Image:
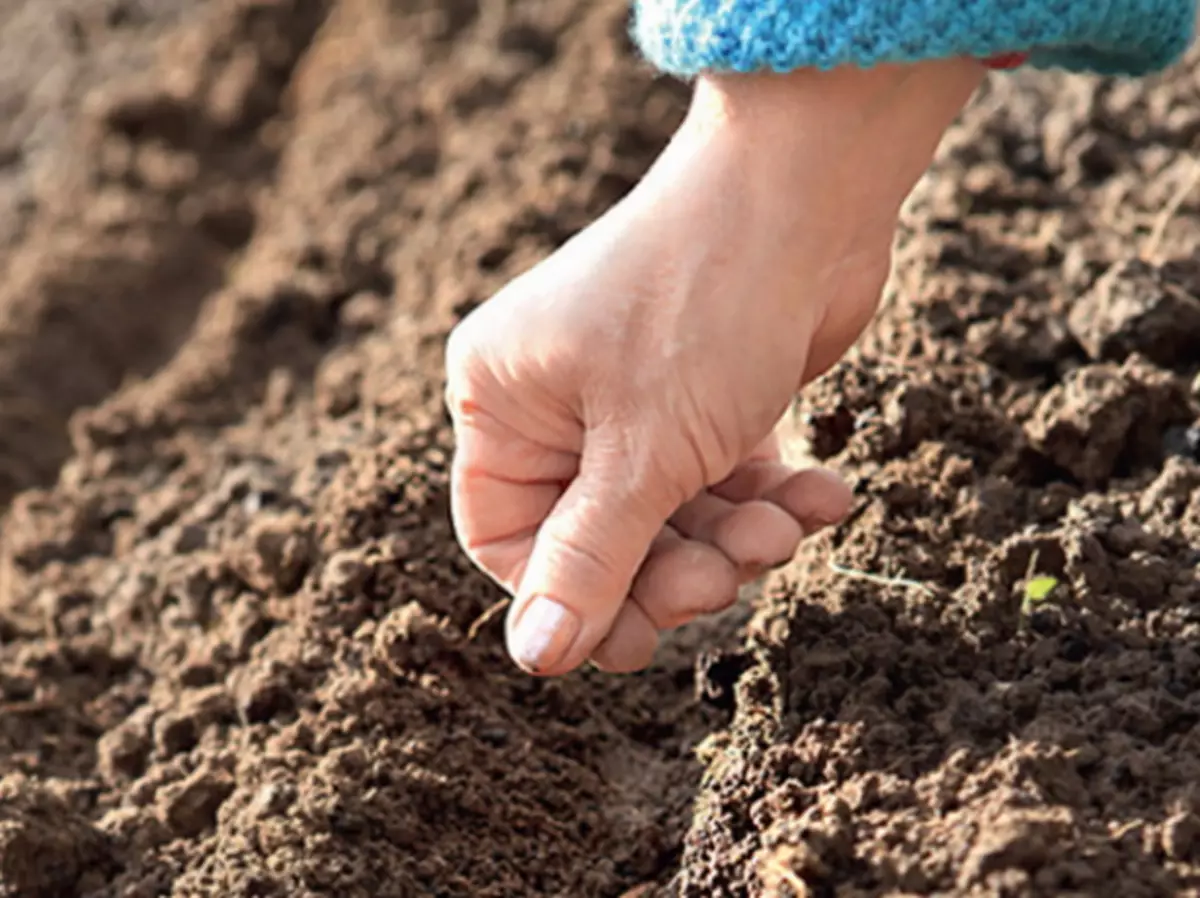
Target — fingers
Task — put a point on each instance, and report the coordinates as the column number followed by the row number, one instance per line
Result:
column 760, row 513
column 752, row 480
column 579, row 557
column 816, row 497
column 682, row 579
column 502, row 487
column 630, row 644
column 583, row 562
column 813, row 495
column 756, row 534
column 577, row 545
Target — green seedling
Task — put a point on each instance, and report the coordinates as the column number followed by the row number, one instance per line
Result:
column 1037, row 591
column 1039, row 588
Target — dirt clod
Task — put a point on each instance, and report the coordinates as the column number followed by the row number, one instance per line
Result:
column 47, row 847
column 1103, row 416
column 190, row 806
column 1133, row 308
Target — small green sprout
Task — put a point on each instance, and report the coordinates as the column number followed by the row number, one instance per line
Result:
column 1039, row 589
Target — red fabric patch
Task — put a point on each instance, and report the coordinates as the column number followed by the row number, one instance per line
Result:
column 1006, row 61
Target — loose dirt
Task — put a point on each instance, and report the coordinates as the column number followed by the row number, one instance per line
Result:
column 239, row 651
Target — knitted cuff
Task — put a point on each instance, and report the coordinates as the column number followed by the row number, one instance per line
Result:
column 1111, row 37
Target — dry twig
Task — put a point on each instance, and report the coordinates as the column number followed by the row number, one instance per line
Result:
column 880, row 580
column 486, row 618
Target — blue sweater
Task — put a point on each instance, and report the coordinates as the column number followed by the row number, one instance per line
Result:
column 1112, row 37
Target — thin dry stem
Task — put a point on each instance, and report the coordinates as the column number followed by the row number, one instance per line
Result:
column 1031, row 568
column 486, row 618
column 880, row 580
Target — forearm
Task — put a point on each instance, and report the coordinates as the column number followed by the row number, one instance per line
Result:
column 1125, row 37
column 788, row 136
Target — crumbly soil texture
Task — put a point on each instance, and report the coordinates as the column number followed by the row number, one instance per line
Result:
column 240, row 652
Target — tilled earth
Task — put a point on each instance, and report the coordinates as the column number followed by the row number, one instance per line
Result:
column 240, row 653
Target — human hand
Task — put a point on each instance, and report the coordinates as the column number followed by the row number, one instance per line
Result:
column 614, row 407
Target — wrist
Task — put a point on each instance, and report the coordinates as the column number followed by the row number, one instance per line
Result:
column 882, row 124
column 801, row 177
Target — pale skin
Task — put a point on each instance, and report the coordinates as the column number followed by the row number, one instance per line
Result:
column 614, row 407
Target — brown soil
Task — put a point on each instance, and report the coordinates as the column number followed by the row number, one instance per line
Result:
column 238, row 646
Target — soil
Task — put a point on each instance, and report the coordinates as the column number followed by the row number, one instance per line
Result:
column 240, row 653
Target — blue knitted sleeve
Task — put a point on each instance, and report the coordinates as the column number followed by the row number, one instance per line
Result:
column 1112, row 37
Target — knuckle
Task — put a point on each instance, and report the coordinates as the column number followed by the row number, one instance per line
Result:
column 460, row 349
column 495, row 562
column 659, row 470
column 466, row 368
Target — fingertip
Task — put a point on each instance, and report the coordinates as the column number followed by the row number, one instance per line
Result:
column 758, row 534
column 583, row 561
column 817, row 497
column 540, row 633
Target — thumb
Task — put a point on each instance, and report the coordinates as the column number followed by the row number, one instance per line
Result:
column 583, row 563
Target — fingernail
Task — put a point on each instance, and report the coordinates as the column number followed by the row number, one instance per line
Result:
column 543, row 634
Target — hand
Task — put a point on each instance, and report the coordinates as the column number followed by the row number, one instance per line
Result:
column 614, row 407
